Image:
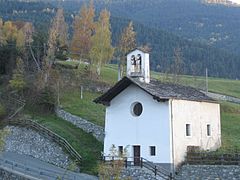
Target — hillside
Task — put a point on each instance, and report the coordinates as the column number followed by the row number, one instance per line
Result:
column 230, row 114
column 216, row 25
column 195, row 56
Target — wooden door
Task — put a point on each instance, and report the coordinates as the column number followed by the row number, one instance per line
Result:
column 136, row 155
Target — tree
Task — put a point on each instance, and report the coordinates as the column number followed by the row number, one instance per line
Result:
column 20, row 40
column 177, row 66
column 127, row 43
column 102, row 50
column 1, row 33
column 18, row 82
column 9, row 32
column 114, row 169
column 58, row 35
column 56, row 40
column 83, row 31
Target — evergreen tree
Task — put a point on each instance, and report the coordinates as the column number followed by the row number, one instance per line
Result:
column 102, row 50
column 83, row 31
column 127, row 43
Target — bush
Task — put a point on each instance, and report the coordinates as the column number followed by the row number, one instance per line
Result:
column 46, row 100
column 2, row 111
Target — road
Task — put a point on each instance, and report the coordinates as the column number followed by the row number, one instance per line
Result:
column 33, row 168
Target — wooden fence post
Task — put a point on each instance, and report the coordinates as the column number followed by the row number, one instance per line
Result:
column 141, row 162
column 126, row 162
column 155, row 170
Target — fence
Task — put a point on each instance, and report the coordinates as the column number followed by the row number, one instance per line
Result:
column 141, row 162
column 47, row 133
column 213, row 158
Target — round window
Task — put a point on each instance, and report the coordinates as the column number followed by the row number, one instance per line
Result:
column 137, row 109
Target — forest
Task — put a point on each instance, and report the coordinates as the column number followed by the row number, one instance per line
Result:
column 196, row 56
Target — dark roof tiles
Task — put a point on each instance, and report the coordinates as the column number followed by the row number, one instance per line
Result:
column 159, row 90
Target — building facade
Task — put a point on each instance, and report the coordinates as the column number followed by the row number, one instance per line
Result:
column 158, row 121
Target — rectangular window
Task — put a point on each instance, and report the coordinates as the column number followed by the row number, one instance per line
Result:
column 188, row 130
column 120, row 150
column 208, row 130
column 153, row 150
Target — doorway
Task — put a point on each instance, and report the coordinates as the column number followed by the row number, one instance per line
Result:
column 136, row 155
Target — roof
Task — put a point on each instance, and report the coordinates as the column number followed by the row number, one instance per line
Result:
column 144, row 50
column 158, row 90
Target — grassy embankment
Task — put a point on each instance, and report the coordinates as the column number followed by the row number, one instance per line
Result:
column 85, row 144
column 89, row 148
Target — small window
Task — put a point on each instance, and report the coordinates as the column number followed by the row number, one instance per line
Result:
column 153, row 150
column 208, row 130
column 120, row 150
column 137, row 109
column 188, row 130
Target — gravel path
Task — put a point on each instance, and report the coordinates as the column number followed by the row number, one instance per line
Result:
column 26, row 141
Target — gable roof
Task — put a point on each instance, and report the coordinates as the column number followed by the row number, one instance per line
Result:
column 140, row 49
column 158, row 90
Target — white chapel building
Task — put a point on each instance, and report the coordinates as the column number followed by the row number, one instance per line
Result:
column 156, row 120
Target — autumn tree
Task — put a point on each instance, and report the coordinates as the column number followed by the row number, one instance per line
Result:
column 127, row 42
column 57, row 39
column 102, row 50
column 58, row 35
column 1, row 34
column 9, row 32
column 83, row 27
column 18, row 82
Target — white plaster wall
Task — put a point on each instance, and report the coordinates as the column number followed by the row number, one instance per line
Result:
column 198, row 114
column 145, row 65
column 152, row 128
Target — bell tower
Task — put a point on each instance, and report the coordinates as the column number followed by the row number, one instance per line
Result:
column 138, row 65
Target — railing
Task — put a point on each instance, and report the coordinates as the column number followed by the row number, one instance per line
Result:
column 141, row 162
column 213, row 158
column 47, row 133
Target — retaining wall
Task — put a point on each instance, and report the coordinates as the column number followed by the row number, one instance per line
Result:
column 95, row 130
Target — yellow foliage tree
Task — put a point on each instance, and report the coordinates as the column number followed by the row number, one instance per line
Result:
column 9, row 32
column 18, row 82
column 127, row 42
column 102, row 50
column 1, row 33
column 83, row 30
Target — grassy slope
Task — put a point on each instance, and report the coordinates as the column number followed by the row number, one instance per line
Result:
column 86, row 145
column 85, row 107
column 230, row 123
column 94, row 112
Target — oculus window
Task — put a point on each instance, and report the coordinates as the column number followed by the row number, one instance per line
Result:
column 136, row 109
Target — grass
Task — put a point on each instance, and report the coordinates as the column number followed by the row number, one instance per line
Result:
column 219, row 85
column 230, row 124
column 85, row 108
column 85, row 144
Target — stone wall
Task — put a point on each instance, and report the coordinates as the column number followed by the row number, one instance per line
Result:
column 97, row 131
column 25, row 141
column 209, row 172
column 137, row 173
column 4, row 174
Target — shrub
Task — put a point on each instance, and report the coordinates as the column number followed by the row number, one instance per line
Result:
column 2, row 111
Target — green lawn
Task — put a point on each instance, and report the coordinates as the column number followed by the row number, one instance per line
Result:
column 230, row 123
column 85, row 144
column 85, row 108
column 230, row 113
column 222, row 86
column 219, row 85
